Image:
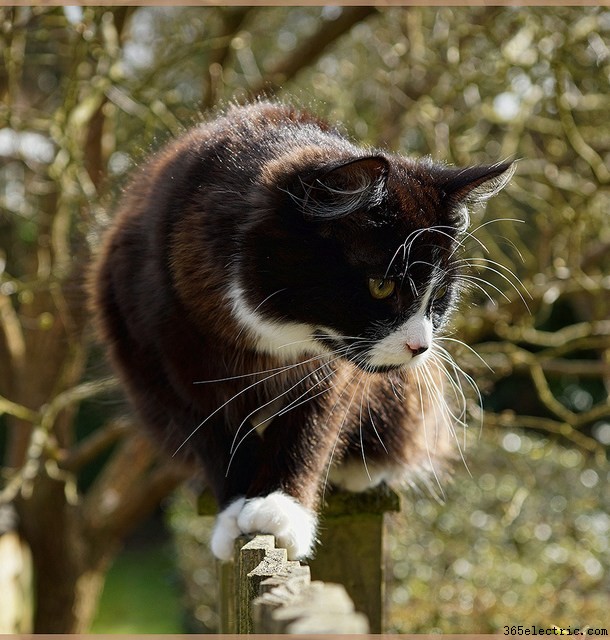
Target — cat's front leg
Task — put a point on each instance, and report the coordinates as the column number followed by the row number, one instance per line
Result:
column 283, row 495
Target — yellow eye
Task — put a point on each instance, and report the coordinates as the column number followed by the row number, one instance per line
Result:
column 381, row 288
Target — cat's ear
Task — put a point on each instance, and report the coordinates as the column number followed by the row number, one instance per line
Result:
column 478, row 183
column 342, row 189
column 473, row 185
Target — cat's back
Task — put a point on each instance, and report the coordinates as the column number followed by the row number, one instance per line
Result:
column 191, row 197
column 246, row 138
column 226, row 154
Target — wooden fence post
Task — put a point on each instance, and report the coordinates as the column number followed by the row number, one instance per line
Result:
column 351, row 552
column 262, row 592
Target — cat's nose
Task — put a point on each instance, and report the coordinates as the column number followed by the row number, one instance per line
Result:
column 417, row 349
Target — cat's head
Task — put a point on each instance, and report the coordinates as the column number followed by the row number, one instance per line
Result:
column 358, row 257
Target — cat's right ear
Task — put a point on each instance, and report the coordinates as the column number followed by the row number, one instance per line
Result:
column 339, row 190
column 472, row 185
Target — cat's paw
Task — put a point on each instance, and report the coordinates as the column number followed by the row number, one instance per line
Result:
column 226, row 530
column 293, row 526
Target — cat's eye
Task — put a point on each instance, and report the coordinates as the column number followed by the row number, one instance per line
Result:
column 381, row 288
column 441, row 292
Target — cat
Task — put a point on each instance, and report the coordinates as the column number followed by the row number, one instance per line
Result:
column 272, row 296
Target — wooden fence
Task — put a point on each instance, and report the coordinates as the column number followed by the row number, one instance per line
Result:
column 340, row 591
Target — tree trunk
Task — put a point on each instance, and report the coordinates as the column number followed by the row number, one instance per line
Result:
column 69, row 570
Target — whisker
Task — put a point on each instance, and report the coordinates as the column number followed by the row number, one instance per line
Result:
column 368, row 402
column 441, row 402
column 463, row 344
column 397, row 394
column 489, row 284
column 250, row 386
column 425, row 423
column 465, row 283
column 258, row 306
column 269, row 402
column 484, row 224
column 282, row 411
column 502, row 275
column 357, row 340
column 475, row 261
column 457, row 392
column 446, row 357
column 366, row 467
column 332, row 452
column 284, row 367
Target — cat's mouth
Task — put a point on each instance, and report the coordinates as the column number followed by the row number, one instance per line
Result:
column 350, row 350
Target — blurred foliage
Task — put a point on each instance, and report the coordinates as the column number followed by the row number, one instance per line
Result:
column 523, row 538
column 86, row 92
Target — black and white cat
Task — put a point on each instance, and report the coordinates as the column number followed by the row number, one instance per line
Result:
column 272, row 295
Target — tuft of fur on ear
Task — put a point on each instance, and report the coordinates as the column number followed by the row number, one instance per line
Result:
column 340, row 190
column 473, row 185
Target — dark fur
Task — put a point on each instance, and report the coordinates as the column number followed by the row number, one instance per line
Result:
column 263, row 186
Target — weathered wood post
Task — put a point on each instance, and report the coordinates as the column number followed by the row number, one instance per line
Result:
column 262, row 592
column 352, row 534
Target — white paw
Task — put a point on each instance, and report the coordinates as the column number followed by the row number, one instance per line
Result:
column 293, row 526
column 226, row 530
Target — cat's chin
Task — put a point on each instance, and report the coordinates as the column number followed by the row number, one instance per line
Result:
column 382, row 368
column 389, row 367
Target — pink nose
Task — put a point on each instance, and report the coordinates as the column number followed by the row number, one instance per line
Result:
column 417, row 349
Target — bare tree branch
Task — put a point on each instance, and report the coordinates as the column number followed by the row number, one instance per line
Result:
column 232, row 20
column 98, row 442
column 311, row 49
column 18, row 411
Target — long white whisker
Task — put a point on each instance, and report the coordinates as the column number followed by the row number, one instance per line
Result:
column 284, row 367
column 456, row 388
column 442, row 354
column 258, row 306
column 425, row 423
column 368, row 402
column 476, row 261
column 269, row 402
column 359, row 340
column 484, row 224
column 463, row 344
column 332, row 452
column 512, row 284
column 475, row 278
column 441, row 403
column 465, row 282
column 250, row 386
column 290, row 406
column 362, row 382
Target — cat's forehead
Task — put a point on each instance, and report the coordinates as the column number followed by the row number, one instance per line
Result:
column 414, row 195
column 398, row 246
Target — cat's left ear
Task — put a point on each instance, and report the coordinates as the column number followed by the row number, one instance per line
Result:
column 342, row 189
column 474, row 185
